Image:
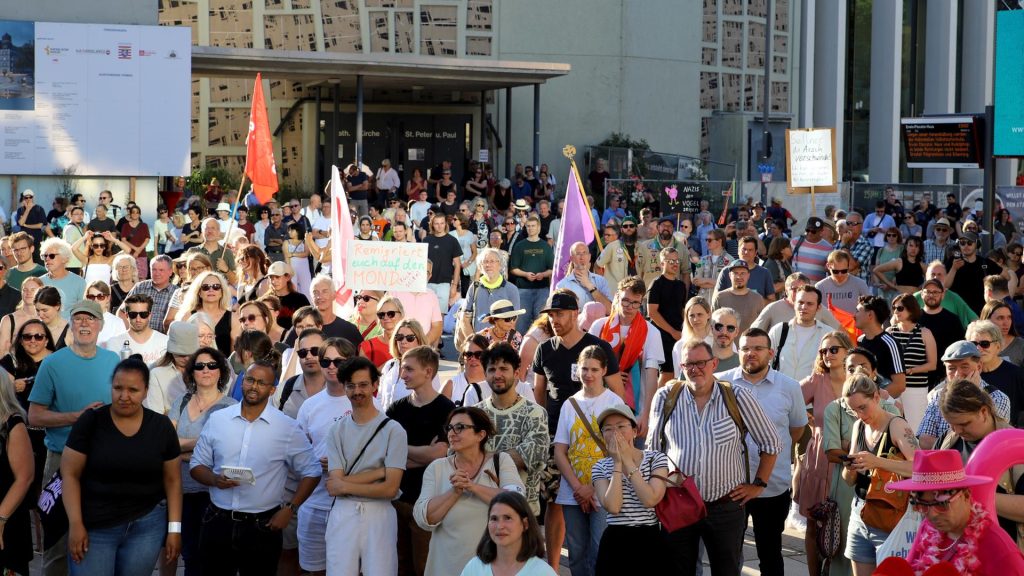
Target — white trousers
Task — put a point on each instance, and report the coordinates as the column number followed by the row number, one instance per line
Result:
column 362, row 537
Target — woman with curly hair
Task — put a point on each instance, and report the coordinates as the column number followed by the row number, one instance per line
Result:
column 208, row 293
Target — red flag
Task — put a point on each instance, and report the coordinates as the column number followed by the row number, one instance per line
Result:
column 342, row 234
column 845, row 319
column 259, row 153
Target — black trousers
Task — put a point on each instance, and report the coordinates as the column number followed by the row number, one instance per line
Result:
column 239, row 545
column 722, row 532
column 769, row 516
column 614, row 557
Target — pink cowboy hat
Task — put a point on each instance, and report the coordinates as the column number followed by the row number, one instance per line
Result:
column 938, row 470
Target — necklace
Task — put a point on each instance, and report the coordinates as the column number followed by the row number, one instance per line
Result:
column 951, row 544
column 199, row 404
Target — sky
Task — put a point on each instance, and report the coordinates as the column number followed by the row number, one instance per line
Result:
column 21, row 32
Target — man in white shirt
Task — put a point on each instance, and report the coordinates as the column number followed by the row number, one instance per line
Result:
column 141, row 338
column 783, row 310
column 796, row 341
column 322, row 226
column 314, row 209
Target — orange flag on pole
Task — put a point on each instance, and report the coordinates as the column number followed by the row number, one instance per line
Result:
column 259, row 153
column 845, row 319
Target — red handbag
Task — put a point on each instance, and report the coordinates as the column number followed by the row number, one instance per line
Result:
column 682, row 504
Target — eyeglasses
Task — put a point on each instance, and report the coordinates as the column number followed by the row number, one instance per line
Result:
column 458, row 428
column 303, row 352
column 628, row 226
column 387, row 314
column 198, row 366
column 249, row 381
column 899, row 308
column 210, row 287
column 672, row 261
column 719, row 327
column 30, row 337
column 630, row 303
column 839, row 272
column 695, row 365
column 891, row 235
column 249, row 318
column 983, row 344
column 965, row 242
column 134, row 315
column 365, row 298
column 477, row 354
column 49, row 256
column 830, row 350
column 852, row 223
column 940, row 503
column 941, row 229
column 410, row 338
column 336, row 362
column 99, row 297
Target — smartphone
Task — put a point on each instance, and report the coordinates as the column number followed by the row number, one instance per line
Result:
column 957, row 255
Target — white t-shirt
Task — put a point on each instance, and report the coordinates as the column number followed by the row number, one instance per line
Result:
column 151, row 350
column 583, row 450
column 112, row 326
column 392, row 387
column 324, row 225
column 653, row 354
column 317, row 417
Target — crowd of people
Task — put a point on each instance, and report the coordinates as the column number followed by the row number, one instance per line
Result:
column 187, row 387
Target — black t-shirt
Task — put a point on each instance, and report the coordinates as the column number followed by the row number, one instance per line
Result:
column 123, row 477
column 290, row 302
column 19, row 371
column 356, row 180
column 441, row 251
column 98, row 226
column 670, row 296
column 9, row 299
column 188, row 228
column 558, row 366
column 887, row 351
column 1009, row 379
column 422, row 425
column 449, row 209
column 947, row 329
column 969, row 281
column 338, row 329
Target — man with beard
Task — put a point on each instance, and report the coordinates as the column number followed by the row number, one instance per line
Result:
column 362, row 527
column 70, row 381
column 310, row 380
column 759, row 280
column 725, row 331
column 747, row 303
column 556, row 378
column 141, row 337
column 951, row 301
column 522, row 425
column 945, row 326
column 649, row 252
column 936, row 248
column 967, row 271
column 783, row 403
column 243, row 525
column 56, row 254
column 618, row 260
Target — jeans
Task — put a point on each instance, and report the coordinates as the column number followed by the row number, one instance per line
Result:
column 442, row 291
column 246, row 546
column 722, row 533
column 362, row 207
column 193, row 506
column 126, row 549
column 532, row 300
column 583, row 533
column 769, row 516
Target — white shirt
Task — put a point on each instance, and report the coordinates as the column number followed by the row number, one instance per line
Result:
column 271, row 445
column 112, row 326
column 388, row 179
column 317, row 416
column 392, row 387
column 151, row 350
column 653, row 354
column 322, row 224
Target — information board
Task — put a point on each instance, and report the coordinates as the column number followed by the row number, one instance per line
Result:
column 1008, row 109
column 811, row 160
column 942, row 142
column 387, row 266
column 101, row 99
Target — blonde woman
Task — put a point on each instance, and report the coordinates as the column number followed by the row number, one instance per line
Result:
column 408, row 334
column 365, row 314
column 195, row 264
column 209, row 293
column 11, row 323
column 390, row 313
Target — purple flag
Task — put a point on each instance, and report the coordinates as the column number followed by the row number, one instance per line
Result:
column 576, row 226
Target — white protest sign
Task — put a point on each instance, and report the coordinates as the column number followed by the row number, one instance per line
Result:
column 387, row 266
column 811, row 158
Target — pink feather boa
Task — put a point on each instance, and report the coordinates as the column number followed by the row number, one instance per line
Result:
column 965, row 557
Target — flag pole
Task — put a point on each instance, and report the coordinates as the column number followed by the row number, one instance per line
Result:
column 569, row 151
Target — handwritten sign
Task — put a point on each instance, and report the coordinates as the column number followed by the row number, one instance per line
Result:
column 811, row 158
column 387, row 266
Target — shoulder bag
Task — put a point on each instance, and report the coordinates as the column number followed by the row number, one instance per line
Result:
column 825, row 515
column 682, row 504
column 586, row 423
column 883, row 508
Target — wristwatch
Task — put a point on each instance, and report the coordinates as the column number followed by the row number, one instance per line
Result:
column 290, row 506
column 758, row 482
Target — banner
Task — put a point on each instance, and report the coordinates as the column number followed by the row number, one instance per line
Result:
column 1008, row 135
column 386, row 266
column 341, row 235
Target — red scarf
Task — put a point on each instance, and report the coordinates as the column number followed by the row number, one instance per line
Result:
column 628, row 349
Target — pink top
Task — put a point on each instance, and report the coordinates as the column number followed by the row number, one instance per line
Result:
column 817, row 388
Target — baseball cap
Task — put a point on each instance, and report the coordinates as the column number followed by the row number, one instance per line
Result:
column 28, row 193
column 629, row 219
column 504, row 183
column 814, row 224
column 616, row 409
column 182, row 338
column 970, row 236
column 560, row 301
column 90, row 307
column 667, row 219
column 738, row 263
column 960, row 350
column 279, row 269
column 934, row 282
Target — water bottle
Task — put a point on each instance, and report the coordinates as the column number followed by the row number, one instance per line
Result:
column 126, row 350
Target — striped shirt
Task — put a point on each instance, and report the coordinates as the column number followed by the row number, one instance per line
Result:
column 706, row 443
column 887, row 352
column 810, row 258
column 632, row 512
column 914, row 354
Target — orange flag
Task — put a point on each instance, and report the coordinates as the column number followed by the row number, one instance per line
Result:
column 845, row 319
column 259, row 153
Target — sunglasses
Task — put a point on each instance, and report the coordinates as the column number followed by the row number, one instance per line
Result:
column 30, row 337
column 388, row 314
column 983, row 344
column 458, row 428
column 475, row 354
column 49, row 256
column 940, row 503
column 365, row 298
column 830, row 350
column 843, row 271
column 410, row 338
column 99, row 246
column 96, row 297
column 209, row 287
column 205, row 366
column 336, row 362
column 899, row 308
column 303, row 352
column 719, row 327
column 965, row 242
column 628, row 226
column 249, row 318
column 134, row 315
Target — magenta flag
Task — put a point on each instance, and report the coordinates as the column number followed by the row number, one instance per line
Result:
column 576, row 226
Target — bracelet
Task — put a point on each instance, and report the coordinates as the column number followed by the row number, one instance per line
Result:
column 174, row 527
column 631, row 472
